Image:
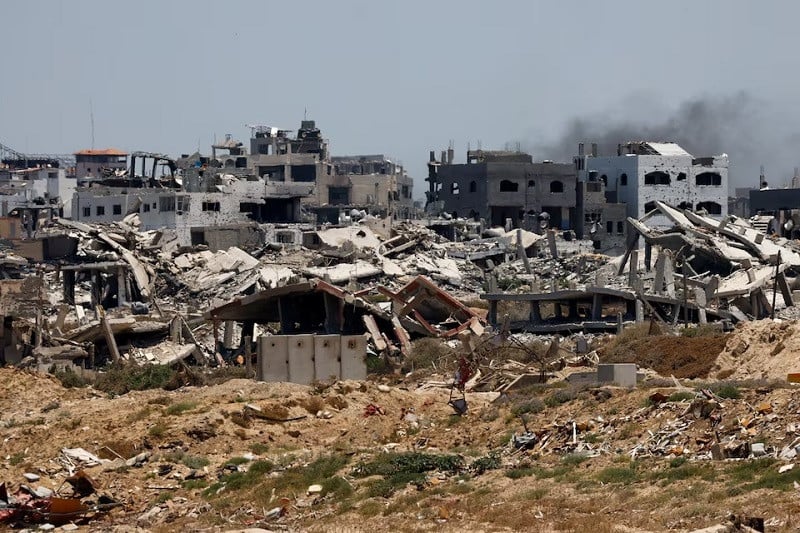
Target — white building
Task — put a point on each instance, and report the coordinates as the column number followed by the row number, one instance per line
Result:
column 195, row 215
column 643, row 172
column 51, row 186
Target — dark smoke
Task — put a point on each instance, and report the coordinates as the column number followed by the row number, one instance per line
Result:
column 751, row 132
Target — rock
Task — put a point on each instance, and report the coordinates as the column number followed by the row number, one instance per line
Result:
column 138, row 460
column 324, row 414
column 69, row 527
column 42, row 492
column 30, row 477
column 764, row 408
column 758, row 449
column 785, row 468
column 384, row 388
column 47, row 527
column 314, row 489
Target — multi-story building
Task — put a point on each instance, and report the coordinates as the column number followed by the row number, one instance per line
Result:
column 642, row 173
column 93, row 163
column 500, row 185
column 370, row 182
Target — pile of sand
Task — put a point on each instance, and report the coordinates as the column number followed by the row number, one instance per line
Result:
column 761, row 349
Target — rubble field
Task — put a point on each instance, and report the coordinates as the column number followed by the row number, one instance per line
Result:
column 389, row 456
column 513, row 381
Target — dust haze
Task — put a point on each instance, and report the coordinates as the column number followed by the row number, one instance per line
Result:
column 750, row 131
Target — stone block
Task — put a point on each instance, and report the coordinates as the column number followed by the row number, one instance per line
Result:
column 327, row 350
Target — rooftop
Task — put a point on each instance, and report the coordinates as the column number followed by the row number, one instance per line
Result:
column 103, row 151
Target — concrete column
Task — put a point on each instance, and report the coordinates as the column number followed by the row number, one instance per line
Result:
column 122, row 286
column 597, row 307
column 648, row 256
column 639, row 311
column 700, row 299
column 69, row 286
column 227, row 338
column 633, row 271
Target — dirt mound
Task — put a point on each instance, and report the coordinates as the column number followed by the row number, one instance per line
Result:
column 669, row 355
column 761, row 349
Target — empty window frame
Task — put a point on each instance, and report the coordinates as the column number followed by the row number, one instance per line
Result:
column 708, row 178
column 509, row 186
column 657, row 177
column 556, row 186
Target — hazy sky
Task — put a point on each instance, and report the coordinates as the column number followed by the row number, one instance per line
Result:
column 398, row 78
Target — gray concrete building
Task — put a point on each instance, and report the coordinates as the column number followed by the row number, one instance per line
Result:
column 500, row 185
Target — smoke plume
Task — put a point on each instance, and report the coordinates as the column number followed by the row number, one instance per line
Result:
column 751, row 132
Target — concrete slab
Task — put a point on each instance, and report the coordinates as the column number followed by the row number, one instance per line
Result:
column 623, row 374
column 273, row 358
column 327, row 350
column 301, row 358
column 353, row 356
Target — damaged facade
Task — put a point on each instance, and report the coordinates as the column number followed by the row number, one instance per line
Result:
column 642, row 173
column 370, row 182
column 501, row 185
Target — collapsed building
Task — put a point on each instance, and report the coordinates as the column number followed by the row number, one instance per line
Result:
column 502, row 185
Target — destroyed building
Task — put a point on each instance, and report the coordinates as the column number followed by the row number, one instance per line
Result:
column 599, row 218
column 500, row 185
column 370, row 182
column 92, row 163
column 642, row 173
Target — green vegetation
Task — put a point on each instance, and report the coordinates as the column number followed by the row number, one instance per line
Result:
column 68, row 377
column 681, row 396
column 491, row 461
column 400, row 469
column 180, row 408
column 120, row 379
column 617, row 474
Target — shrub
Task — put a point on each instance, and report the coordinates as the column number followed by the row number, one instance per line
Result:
column 616, row 474
column 67, row 376
column 491, row 461
column 120, row 379
column 180, row 408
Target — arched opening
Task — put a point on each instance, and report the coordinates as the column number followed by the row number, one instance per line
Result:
column 681, row 176
column 473, row 186
column 685, row 205
column 713, row 208
column 604, row 179
column 657, row 177
column 623, row 179
column 708, row 178
column 508, row 186
column 556, row 186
